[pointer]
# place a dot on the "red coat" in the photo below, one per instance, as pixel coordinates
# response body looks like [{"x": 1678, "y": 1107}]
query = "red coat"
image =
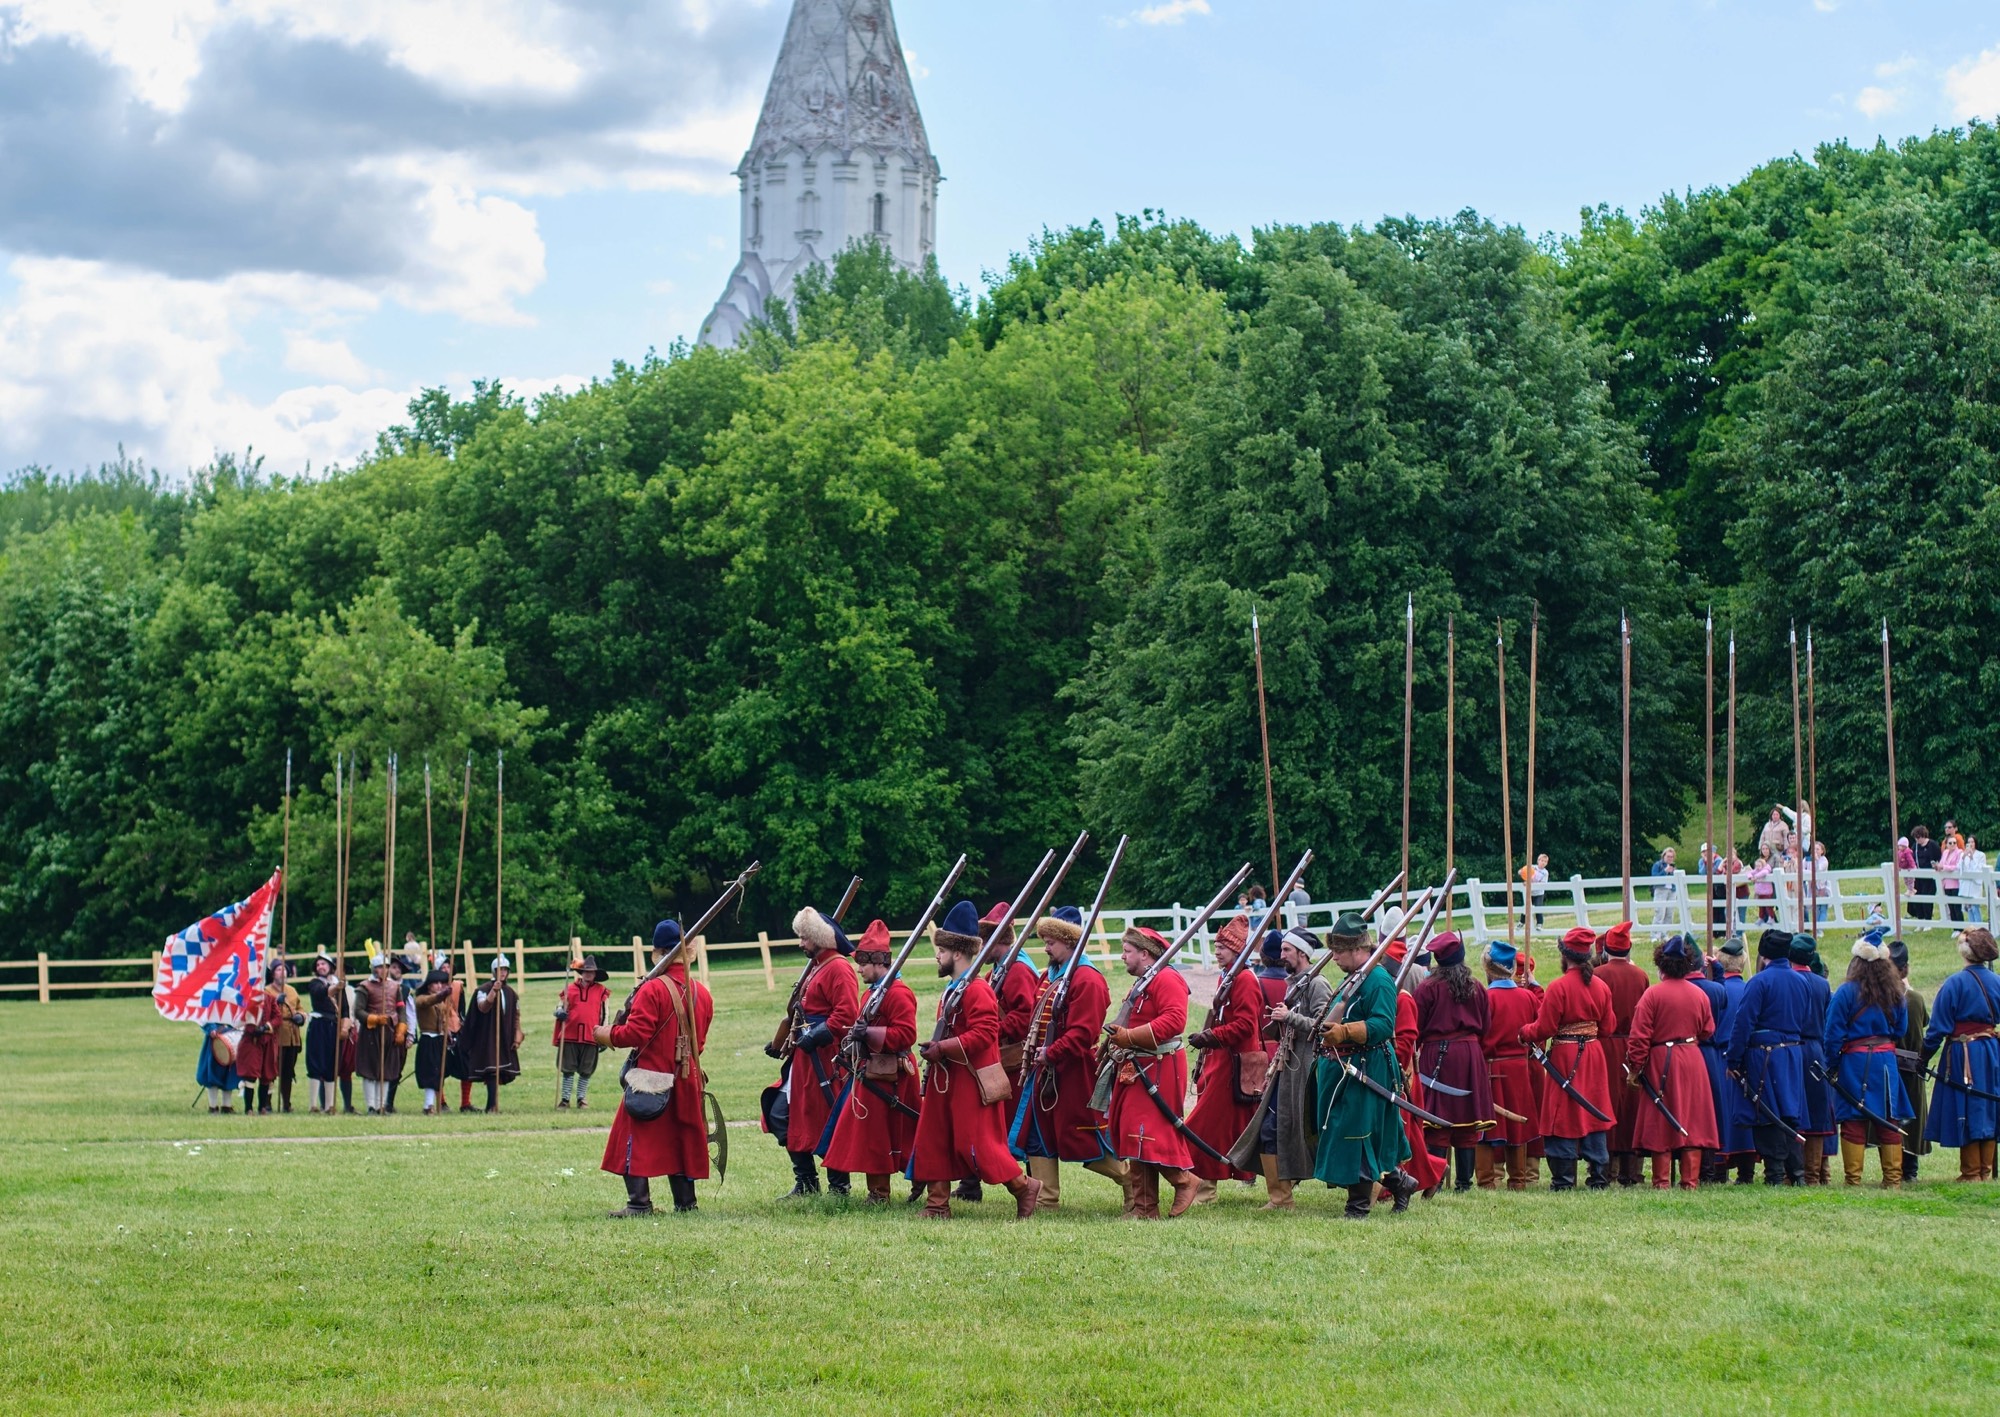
[
  {"x": 676, "y": 1142},
  {"x": 1627, "y": 983},
  {"x": 1570, "y": 1003},
  {"x": 585, "y": 1004},
  {"x": 832, "y": 993},
  {"x": 257, "y": 1052},
  {"x": 1508, "y": 1065},
  {"x": 1139, "y": 1130},
  {"x": 958, "y": 1136},
  {"x": 1017, "y": 1009},
  {"x": 873, "y": 1137},
  {"x": 1069, "y": 1069},
  {"x": 1218, "y": 1118},
  {"x": 1673, "y": 1012},
  {"x": 1429, "y": 1169}
]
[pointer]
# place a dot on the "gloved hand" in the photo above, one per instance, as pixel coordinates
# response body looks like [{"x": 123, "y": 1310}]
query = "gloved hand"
[
  {"x": 378, "y": 1020},
  {"x": 857, "y": 1036},
  {"x": 1130, "y": 1038},
  {"x": 772, "y": 1050},
  {"x": 818, "y": 1036},
  {"x": 403, "y": 1034},
  {"x": 1203, "y": 1039},
  {"x": 1344, "y": 1034},
  {"x": 929, "y": 1049},
  {"x": 561, "y": 1013}
]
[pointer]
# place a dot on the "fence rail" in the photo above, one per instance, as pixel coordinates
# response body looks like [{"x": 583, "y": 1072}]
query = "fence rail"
[{"x": 1663, "y": 905}]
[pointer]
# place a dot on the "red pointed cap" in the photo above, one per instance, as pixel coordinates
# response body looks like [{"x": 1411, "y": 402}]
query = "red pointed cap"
[
  {"x": 1579, "y": 941},
  {"x": 1617, "y": 940},
  {"x": 993, "y": 916}
]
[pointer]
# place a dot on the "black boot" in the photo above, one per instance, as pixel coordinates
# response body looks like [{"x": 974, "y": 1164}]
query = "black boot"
[
  {"x": 1461, "y": 1160},
  {"x": 1746, "y": 1171},
  {"x": 1774, "y": 1170},
  {"x": 638, "y": 1199},
  {"x": 1402, "y": 1185},
  {"x": 1359, "y": 1199},
  {"x": 968, "y": 1190},
  {"x": 1909, "y": 1164},
  {"x": 1597, "y": 1175},
  {"x": 1795, "y": 1163},
  {"x": 917, "y": 1192},
  {"x": 389, "y": 1107},
  {"x": 347, "y": 1095},
  {"x": 683, "y": 1191},
  {"x": 836, "y": 1182},
  {"x": 1562, "y": 1173},
  {"x": 805, "y": 1177}
]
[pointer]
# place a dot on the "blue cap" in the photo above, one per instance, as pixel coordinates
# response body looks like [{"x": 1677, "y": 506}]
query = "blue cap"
[
  {"x": 666, "y": 935},
  {"x": 961, "y": 919},
  {"x": 1272, "y": 950},
  {"x": 1068, "y": 914},
  {"x": 1501, "y": 953},
  {"x": 1674, "y": 947}
]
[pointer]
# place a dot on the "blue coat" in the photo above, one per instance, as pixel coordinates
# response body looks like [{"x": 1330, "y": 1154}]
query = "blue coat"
[
  {"x": 207, "y": 1072},
  {"x": 1812, "y": 1035},
  {"x": 1765, "y": 1025},
  {"x": 1959, "y": 1117},
  {"x": 1872, "y": 1077},
  {"x": 1734, "y": 1116}
]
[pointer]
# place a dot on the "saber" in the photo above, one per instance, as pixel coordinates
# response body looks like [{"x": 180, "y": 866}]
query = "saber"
[
  {"x": 1763, "y": 1107},
  {"x": 1942, "y": 1081},
  {"x": 1432, "y": 1118},
  {"x": 1653, "y": 1096},
  {"x": 1859, "y": 1104},
  {"x": 1536, "y": 1052}
]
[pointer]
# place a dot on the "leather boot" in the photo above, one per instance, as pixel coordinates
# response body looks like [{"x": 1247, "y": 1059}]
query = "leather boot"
[
  {"x": 1892, "y": 1166},
  {"x": 1628, "y": 1167},
  {"x": 1910, "y": 1159},
  {"x": 968, "y": 1190},
  {"x": 1562, "y": 1173},
  {"x": 837, "y": 1183},
  {"x": 1204, "y": 1191},
  {"x": 1989, "y": 1158},
  {"x": 878, "y": 1188},
  {"x": 1402, "y": 1185},
  {"x": 937, "y": 1200},
  {"x": 1027, "y": 1192},
  {"x": 638, "y": 1199},
  {"x": 682, "y": 1188},
  {"x": 1970, "y": 1157},
  {"x": 1746, "y": 1170},
  {"x": 1146, "y": 1190},
  {"x": 1129, "y": 1183},
  {"x": 1690, "y": 1168},
  {"x": 1482, "y": 1167},
  {"x": 1359, "y": 1199},
  {"x": 805, "y": 1177},
  {"x": 1277, "y": 1192},
  {"x": 1520, "y": 1168},
  {"x": 1185, "y": 1184},
  {"x": 1110, "y": 1167},
  {"x": 1463, "y": 1164},
  {"x": 1049, "y": 1172},
  {"x": 1852, "y": 1156},
  {"x": 1663, "y": 1170},
  {"x": 1598, "y": 1177}
]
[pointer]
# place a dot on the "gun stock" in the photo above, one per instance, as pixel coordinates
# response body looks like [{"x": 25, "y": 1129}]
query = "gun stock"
[{"x": 1165, "y": 961}]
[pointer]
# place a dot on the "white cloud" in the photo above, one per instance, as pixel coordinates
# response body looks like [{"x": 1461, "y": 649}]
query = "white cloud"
[
  {"x": 1896, "y": 68},
  {"x": 328, "y": 359},
  {"x": 1876, "y": 101},
  {"x": 1167, "y": 12},
  {"x": 917, "y": 70},
  {"x": 1826, "y": 7},
  {"x": 1973, "y": 85}
]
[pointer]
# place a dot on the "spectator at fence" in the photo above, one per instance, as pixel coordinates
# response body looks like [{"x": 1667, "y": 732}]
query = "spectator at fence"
[
  {"x": 1664, "y": 895},
  {"x": 1822, "y": 882},
  {"x": 1801, "y": 823},
  {"x": 1760, "y": 884},
  {"x": 1535, "y": 881},
  {"x": 1924, "y": 855},
  {"x": 1972, "y": 884},
  {"x": 1772, "y": 838}
]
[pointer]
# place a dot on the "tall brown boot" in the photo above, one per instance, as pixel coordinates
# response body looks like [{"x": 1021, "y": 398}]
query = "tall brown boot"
[
  {"x": 1145, "y": 1191},
  {"x": 1049, "y": 1172},
  {"x": 1989, "y": 1154},
  {"x": 1026, "y": 1191},
  {"x": 1892, "y": 1166},
  {"x": 1187, "y": 1186},
  {"x": 1204, "y": 1191},
  {"x": 878, "y": 1188},
  {"x": 1853, "y": 1155},
  {"x": 1520, "y": 1168},
  {"x": 1690, "y": 1168},
  {"x": 1129, "y": 1179},
  {"x": 1277, "y": 1192},
  {"x": 1482, "y": 1167},
  {"x": 1663, "y": 1170},
  {"x": 937, "y": 1200}
]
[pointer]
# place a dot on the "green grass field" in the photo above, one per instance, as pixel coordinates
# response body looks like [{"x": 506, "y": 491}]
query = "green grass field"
[{"x": 160, "y": 1260}]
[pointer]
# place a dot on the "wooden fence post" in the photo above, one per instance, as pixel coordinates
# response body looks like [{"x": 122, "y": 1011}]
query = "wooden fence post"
[
  {"x": 638, "y": 959},
  {"x": 521, "y": 972},
  {"x": 764, "y": 949},
  {"x": 42, "y": 975},
  {"x": 701, "y": 956},
  {"x": 1475, "y": 906},
  {"x": 575, "y": 950}
]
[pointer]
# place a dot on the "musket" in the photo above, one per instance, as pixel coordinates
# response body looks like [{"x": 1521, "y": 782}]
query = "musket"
[
  {"x": 846, "y": 900},
  {"x": 954, "y": 991},
  {"x": 782, "y": 1040},
  {"x": 1859, "y": 1104},
  {"x": 1165, "y": 961},
  {"x": 1424, "y": 931},
  {"x": 872, "y": 1003},
  {"x": 1059, "y": 993},
  {"x": 729, "y": 893},
  {"x": 1249, "y": 949},
  {"x": 1313, "y": 970},
  {"x": 1041, "y": 907}
]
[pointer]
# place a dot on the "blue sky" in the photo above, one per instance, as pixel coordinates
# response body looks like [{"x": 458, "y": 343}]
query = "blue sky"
[{"x": 264, "y": 223}]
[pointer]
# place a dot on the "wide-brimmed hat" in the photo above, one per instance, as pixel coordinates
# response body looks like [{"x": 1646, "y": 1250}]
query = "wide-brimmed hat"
[{"x": 589, "y": 965}]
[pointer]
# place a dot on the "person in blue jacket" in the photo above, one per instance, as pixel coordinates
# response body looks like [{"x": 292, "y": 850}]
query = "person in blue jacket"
[
  {"x": 1803, "y": 956},
  {"x": 1766, "y": 1059},
  {"x": 1735, "y": 1147},
  {"x": 215, "y": 1067},
  {"x": 1864, "y": 1025},
  {"x": 1963, "y": 1016}
]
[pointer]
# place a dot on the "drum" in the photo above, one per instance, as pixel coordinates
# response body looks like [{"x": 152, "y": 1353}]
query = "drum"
[{"x": 222, "y": 1046}]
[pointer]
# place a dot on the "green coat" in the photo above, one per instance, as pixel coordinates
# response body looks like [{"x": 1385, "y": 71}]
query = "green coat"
[
  {"x": 1913, "y": 1077},
  {"x": 1360, "y": 1134}
]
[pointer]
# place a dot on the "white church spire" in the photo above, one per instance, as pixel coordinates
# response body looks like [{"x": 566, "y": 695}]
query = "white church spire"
[{"x": 840, "y": 155}]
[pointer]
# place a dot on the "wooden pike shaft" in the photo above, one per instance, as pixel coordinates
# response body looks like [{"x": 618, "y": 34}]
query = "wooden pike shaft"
[
  {"x": 389, "y": 856},
  {"x": 1729, "y": 789},
  {"x": 1708, "y": 790},
  {"x": 430, "y": 860},
  {"x": 1409, "y": 692},
  {"x": 1810, "y": 848},
  {"x": 1798, "y": 788},
  {"x": 285, "y": 864},
  {"x": 339, "y": 866},
  {"x": 499, "y": 845},
  {"x": 458, "y": 874},
  {"x": 1895, "y": 812},
  {"x": 1506, "y": 795},
  {"x": 1534, "y": 680},
  {"x": 1264, "y": 732},
  {"x": 1625, "y": 767},
  {"x": 1450, "y": 752}
]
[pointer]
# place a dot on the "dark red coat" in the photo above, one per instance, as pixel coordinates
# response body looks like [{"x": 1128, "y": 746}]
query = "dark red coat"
[
  {"x": 873, "y": 1137},
  {"x": 1218, "y": 1118},
  {"x": 832, "y": 993},
  {"x": 1429, "y": 1168},
  {"x": 1673, "y": 1012},
  {"x": 1139, "y": 1130},
  {"x": 1450, "y": 1048},
  {"x": 1570, "y": 1003},
  {"x": 676, "y": 1142},
  {"x": 959, "y": 1136},
  {"x": 1017, "y": 1009},
  {"x": 1509, "y": 1069},
  {"x": 1069, "y": 1069},
  {"x": 584, "y": 1006},
  {"x": 257, "y": 1051},
  {"x": 1627, "y": 983}
]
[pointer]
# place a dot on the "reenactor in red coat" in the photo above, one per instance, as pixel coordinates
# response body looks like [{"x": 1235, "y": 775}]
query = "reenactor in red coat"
[
  {"x": 824, "y": 1006},
  {"x": 578, "y": 1013},
  {"x": 1233, "y": 1063},
  {"x": 666, "y": 1026},
  {"x": 1054, "y": 1121},
  {"x": 1575, "y": 1018},
  {"x": 1516, "y": 1105},
  {"x": 1627, "y": 983},
  {"x": 878, "y": 1116},
  {"x": 1016, "y": 994},
  {"x": 1148, "y": 1050},
  {"x": 1663, "y": 1054},
  {"x": 963, "y": 1129}
]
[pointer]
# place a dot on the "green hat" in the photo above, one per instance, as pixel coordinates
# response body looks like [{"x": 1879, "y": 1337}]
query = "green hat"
[{"x": 1349, "y": 926}]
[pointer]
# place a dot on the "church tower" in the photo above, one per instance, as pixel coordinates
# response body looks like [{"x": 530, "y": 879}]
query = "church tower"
[{"x": 840, "y": 155}]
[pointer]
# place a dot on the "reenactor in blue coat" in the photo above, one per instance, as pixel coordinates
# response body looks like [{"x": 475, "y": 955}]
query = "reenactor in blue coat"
[
  {"x": 1864, "y": 1025},
  {"x": 1963, "y": 1113},
  {"x": 1767, "y": 1060}
]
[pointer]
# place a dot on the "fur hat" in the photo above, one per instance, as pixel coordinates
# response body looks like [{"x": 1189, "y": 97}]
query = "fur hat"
[
  {"x": 1774, "y": 944},
  {"x": 1617, "y": 940},
  {"x": 1145, "y": 940},
  {"x": 1064, "y": 924},
  {"x": 1977, "y": 947},
  {"x": 819, "y": 932},
  {"x": 959, "y": 930},
  {"x": 1871, "y": 946},
  {"x": 666, "y": 935},
  {"x": 873, "y": 947}
]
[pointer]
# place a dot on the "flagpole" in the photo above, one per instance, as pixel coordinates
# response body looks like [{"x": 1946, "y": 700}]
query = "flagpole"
[
  {"x": 1729, "y": 862},
  {"x": 1450, "y": 754},
  {"x": 1812, "y": 783},
  {"x": 388, "y": 854},
  {"x": 1708, "y": 829},
  {"x": 1625, "y": 768},
  {"x": 1895, "y": 813},
  {"x": 1409, "y": 692},
  {"x": 285, "y": 867},
  {"x": 1264, "y": 731},
  {"x": 1534, "y": 680},
  {"x": 1798, "y": 787},
  {"x": 1506, "y": 798}
]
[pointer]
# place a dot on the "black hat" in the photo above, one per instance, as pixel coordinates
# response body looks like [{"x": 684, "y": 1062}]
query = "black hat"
[
  {"x": 435, "y": 978},
  {"x": 1899, "y": 954},
  {"x": 1774, "y": 944},
  {"x": 1272, "y": 950},
  {"x": 1802, "y": 949}
]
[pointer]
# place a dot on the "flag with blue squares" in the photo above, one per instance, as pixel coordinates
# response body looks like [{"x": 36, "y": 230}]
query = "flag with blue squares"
[{"x": 208, "y": 970}]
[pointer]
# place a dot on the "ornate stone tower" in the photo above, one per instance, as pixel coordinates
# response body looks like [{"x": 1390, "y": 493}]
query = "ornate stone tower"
[{"x": 840, "y": 155}]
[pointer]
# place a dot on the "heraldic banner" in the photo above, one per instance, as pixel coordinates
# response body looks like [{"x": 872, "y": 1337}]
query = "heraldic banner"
[{"x": 208, "y": 970}]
